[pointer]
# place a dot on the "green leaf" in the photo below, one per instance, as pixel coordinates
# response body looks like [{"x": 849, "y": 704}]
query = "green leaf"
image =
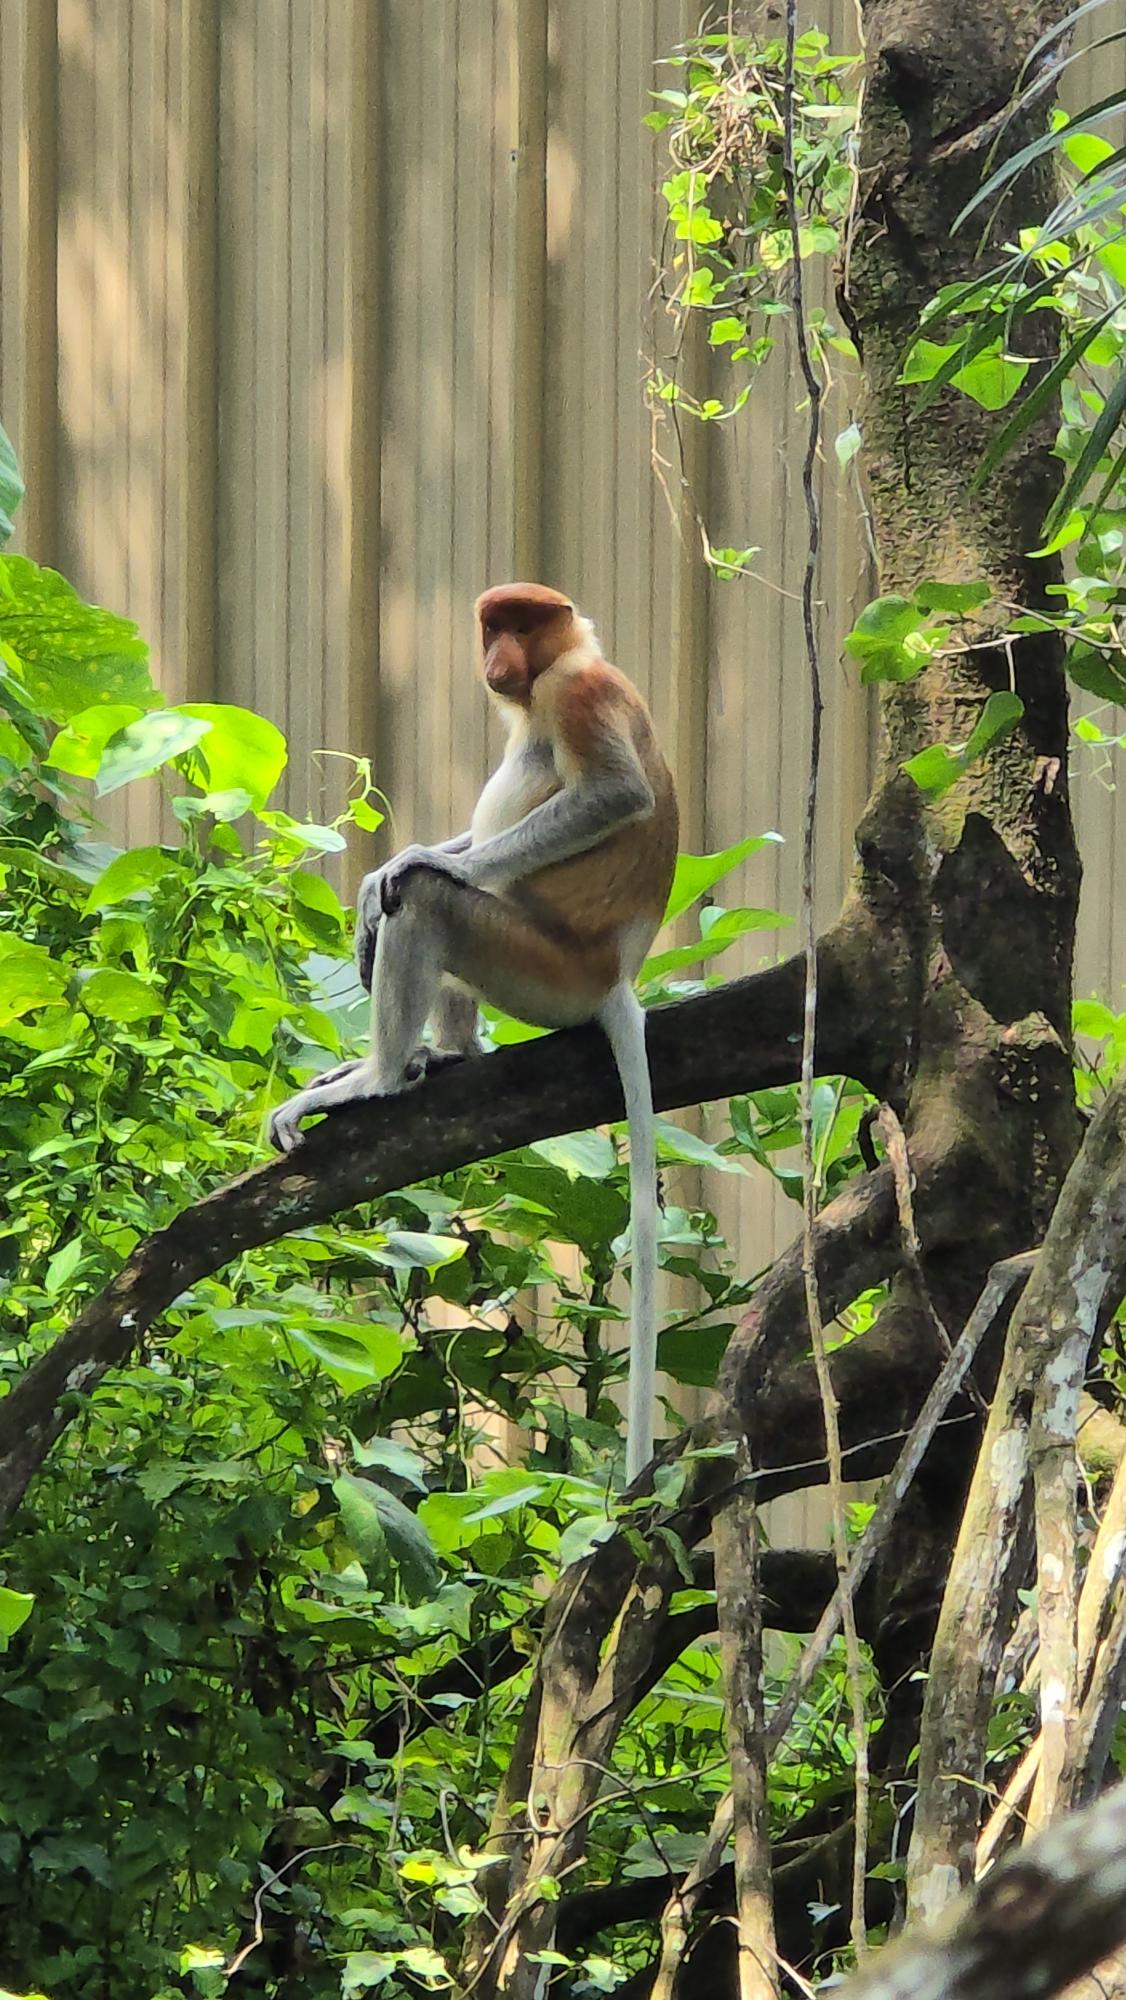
[
  {"x": 719, "y": 929},
  {"x": 129, "y": 875},
  {"x": 883, "y": 623},
  {"x": 697, "y": 873},
  {"x": 1091, "y": 1018},
  {"x": 1097, "y": 672},
  {"x": 991, "y": 380},
  {"x": 143, "y": 746},
  {"x": 575, "y": 1153},
  {"x": 417, "y": 1250},
  {"x": 80, "y": 747},
  {"x": 925, "y": 357},
  {"x": 954, "y": 599},
  {"x": 223, "y": 806},
  {"x": 11, "y": 486},
  {"x": 723, "y": 332},
  {"x": 1098, "y": 438},
  {"x": 356, "y": 1356},
  {"x": 935, "y": 769},
  {"x": 71, "y": 654},
  {"x": 1042, "y": 396},
  {"x": 119, "y": 996},
  {"x": 523, "y": 1495},
  {"x": 62, "y": 1266},
  {"x": 314, "y": 893},
  {"x": 388, "y": 1455},
  {"x": 242, "y": 751},
  {"x": 674, "y": 1143},
  {"x": 847, "y": 443},
  {"x": 879, "y": 639},
  {"x": 16, "y": 1607},
  {"x": 1001, "y": 714},
  {"x": 29, "y": 978},
  {"x": 374, "y": 1519}
]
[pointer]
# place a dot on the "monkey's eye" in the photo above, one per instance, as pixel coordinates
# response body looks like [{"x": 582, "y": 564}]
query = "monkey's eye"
[{"x": 489, "y": 631}]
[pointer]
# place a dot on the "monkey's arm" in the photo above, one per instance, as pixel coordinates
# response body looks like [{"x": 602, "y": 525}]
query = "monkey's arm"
[
  {"x": 612, "y": 794},
  {"x": 608, "y": 791}
]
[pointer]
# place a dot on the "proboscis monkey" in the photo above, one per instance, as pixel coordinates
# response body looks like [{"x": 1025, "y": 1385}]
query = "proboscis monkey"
[{"x": 545, "y": 908}]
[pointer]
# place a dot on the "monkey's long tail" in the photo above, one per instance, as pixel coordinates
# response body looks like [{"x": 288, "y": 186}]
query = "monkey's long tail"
[{"x": 623, "y": 1020}]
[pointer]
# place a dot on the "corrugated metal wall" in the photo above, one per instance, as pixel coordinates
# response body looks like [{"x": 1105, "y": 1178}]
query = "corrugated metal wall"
[{"x": 317, "y": 315}]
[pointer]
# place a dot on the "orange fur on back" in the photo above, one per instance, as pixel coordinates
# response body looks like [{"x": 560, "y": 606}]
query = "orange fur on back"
[{"x": 626, "y": 878}]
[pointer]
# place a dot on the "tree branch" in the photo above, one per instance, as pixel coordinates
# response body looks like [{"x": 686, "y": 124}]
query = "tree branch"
[
  {"x": 1031, "y": 1927},
  {"x": 743, "y": 1036}
]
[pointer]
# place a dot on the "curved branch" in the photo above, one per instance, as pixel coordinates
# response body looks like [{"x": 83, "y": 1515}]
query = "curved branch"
[
  {"x": 744, "y": 1036},
  {"x": 1034, "y": 1924}
]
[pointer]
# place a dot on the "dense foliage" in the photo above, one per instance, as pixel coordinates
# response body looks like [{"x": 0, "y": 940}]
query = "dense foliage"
[{"x": 267, "y": 1611}]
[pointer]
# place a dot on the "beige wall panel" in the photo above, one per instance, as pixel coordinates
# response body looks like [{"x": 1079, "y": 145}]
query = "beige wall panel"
[
  {"x": 13, "y": 214},
  {"x": 449, "y": 115}
]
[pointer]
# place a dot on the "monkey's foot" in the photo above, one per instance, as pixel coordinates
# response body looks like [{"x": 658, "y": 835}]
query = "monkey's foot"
[{"x": 428, "y": 1062}]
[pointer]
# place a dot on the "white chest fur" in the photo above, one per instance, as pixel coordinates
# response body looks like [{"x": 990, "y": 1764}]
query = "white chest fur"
[{"x": 525, "y": 777}]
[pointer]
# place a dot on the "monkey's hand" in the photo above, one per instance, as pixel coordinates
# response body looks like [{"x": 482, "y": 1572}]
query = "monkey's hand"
[{"x": 394, "y": 875}]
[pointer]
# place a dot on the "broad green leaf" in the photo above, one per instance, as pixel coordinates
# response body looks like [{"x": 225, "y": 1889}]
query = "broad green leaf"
[
  {"x": 589, "y": 1153},
  {"x": 884, "y": 623},
  {"x": 1098, "y": 673},
  {"x": 1042, "y": 396},
  {"x": 133, "y": 872},
  {"x": 416, "y": 1250},
  {"x": 846, "y": 444},
  {"x": 697, "y": 873},
  {"x": 143, "y": 746},
  {"x": 673, "y": 1143},
  {"x": 62, "y": 1266},
  {"x": 720, "y": 929},
  {"x": 362, "y": 1525},
  {"x": 29, "y": 978},
  {"x": 991, "y": 380},
  {"x": 368, "y": 1510},
  {"x": 1090, "y": 1017},
  {"x": 316, "y": 894},
  {"x": 722, "y": 332},
  {"x": 16, "y": 1607},
  {"x": 355, "y": 1356},
  {"x": 223, "y": 806},
  {"x": 119, "y": 996},
  {"x": 71, "y": 654},
  {"x": 925, "y": 357},
  {"x": 935, "y": 769},
  {"x": 1001, "y": 713},
  {"x": 953, "y": 599},
  {"x": 80, "y": 747},
  {"x": 241, "y": 751},
  {"x": 388, "y": 1455},
  {"x": 506, "y": 1503},
  {"x": 11, "y": 486}
]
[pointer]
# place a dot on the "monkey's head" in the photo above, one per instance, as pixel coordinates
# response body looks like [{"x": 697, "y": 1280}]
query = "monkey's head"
[{"x": 524, "y": 629}]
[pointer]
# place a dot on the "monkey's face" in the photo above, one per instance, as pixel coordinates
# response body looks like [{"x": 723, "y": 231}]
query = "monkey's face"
[{"x": 524, "y": 628}]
